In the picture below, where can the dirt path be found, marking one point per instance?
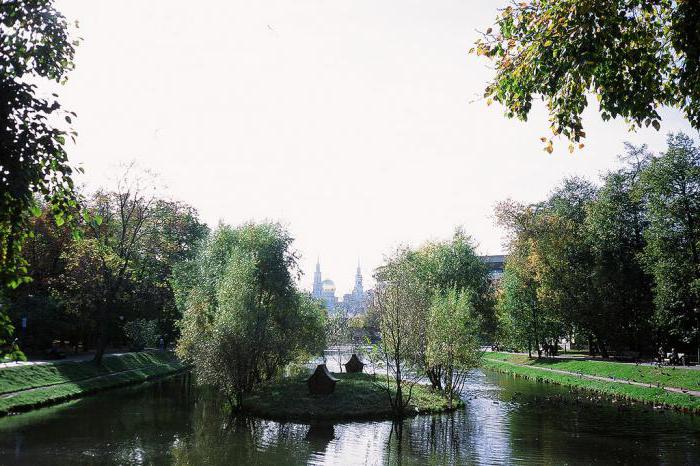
(606, 379)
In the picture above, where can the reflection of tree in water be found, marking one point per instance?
(426, 438)
(320, 435)
(216, 438)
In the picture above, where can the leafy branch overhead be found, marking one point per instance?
(635, 56)
(35, 49)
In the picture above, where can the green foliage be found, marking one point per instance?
(671, 187)
(416, 314)
(634, 55)
(453, 338)
(615, 265)
(119, 266)
(356, 396)
(141, 333)
(36, 48)
(243, 319)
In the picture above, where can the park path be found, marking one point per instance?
(607, 379)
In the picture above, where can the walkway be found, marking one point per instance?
(87, 356)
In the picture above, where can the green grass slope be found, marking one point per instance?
(27, 387)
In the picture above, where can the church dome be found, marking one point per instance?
(328, 285)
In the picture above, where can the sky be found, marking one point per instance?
(359, 125)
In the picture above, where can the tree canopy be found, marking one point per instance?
(635, 56)
(243, 318)
(615, 265)
(36, 48)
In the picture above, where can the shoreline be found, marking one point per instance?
(620, 390)
(135, 368)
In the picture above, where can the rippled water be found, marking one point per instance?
(505, 421)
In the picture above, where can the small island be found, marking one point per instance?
(356, 396)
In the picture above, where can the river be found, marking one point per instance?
(506, 421)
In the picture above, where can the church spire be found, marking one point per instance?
(318, 286)
(358, 280)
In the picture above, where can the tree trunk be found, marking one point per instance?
(603, 349)
(435, 377)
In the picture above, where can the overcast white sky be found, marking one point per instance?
(356, 123)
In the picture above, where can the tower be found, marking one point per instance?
(318, 286)
(358, 291)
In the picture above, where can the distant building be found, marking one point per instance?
(353, 303)
(496, 265)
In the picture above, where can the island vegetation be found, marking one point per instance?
(356, 397)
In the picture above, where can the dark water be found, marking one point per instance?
(506, 421)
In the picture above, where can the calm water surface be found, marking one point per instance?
(506, 421)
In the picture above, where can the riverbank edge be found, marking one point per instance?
(39, 397)
(360, 400)
(613, 391)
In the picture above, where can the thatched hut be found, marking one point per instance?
(354, 364)
(321, 381)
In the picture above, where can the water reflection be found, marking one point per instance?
(505, 421)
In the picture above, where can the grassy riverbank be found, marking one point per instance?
(356, 396)
(533, 369)
(31, 386)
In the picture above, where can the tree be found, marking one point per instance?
(453, 338)
(531, 302)
(634, 55)
(125, 217)
(520, 319)
(435, 268)
(337, 335)
(444, 265)
(36, 48)
(615, 224)
(243, 319)
(671, 187)
(399, 303)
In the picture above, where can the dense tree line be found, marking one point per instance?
(614, 265)
(112, 268)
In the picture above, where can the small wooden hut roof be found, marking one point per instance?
(321, 381)
(354, 364)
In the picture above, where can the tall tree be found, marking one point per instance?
(36, 48)
(243, 319)
(633, 55)
(398, 302)
(615, 225)
(671, 185)
(529, 311)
